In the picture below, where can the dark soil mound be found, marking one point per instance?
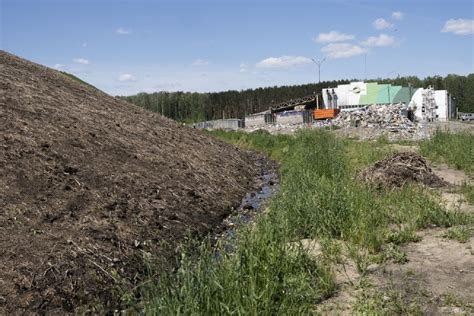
(91, 185)
(399, 169)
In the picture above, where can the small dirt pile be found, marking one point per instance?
(91, 186)
(399, 169)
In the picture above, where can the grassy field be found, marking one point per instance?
(456, 150)
(268, 271)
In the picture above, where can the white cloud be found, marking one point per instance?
(58, 66)
(244, 67)
(342, 50)
(81, 61)
(381, 24)
(333, 36)
(123, 31)
(126, 78)
(382, 40)
(200, 62)
(84, 44)
(459, 26)
(397, 15)
(283, 62)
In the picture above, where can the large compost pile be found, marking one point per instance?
(91, 187)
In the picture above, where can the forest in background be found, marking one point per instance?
(196, 107)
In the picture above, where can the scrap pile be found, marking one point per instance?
(399, 169)
(383, 119)
(382, 116)
(278, 128)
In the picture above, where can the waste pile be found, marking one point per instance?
(399, 169)
(279, 128)
(387, 119)
(369, 122)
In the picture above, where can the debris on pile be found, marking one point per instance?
(391, 117)
(91, 187)
(277, 128)
(399, 169)
(390, 120)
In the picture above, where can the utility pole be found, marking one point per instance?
(318, 62)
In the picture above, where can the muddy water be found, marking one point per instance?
(252, 205)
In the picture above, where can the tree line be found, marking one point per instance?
(196, 107)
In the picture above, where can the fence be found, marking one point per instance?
(257, 120)
(221, 124)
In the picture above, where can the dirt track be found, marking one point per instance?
(90, 185)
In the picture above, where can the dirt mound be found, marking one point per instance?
(91, 186)
(398, 169)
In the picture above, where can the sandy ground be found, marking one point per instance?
(450, 175)
(437, 268)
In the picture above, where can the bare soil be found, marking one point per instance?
(450, 175)
(438, 276)
(92, 188)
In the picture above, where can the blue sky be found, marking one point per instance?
(124, 47)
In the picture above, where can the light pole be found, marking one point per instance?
(365, 66)
(318, 62)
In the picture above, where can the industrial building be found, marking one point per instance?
(424, 104)
(259, 119)
(427, 104)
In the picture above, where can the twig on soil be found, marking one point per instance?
(77, 182)
(103, 270)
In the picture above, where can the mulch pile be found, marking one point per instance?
(399, 169)
(91, 186)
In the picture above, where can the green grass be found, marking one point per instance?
(261, 276)
(460, 233)
(274, 147)
(318, 199)
(391, 301)
(468, 191)
(365, 153)
(456, 149)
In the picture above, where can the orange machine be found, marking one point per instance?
(322, 114)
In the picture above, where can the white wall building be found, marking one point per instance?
(429, 104)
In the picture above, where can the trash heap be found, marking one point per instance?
(399, 169)
(278, 128)
(390, 117)
(391, 120)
